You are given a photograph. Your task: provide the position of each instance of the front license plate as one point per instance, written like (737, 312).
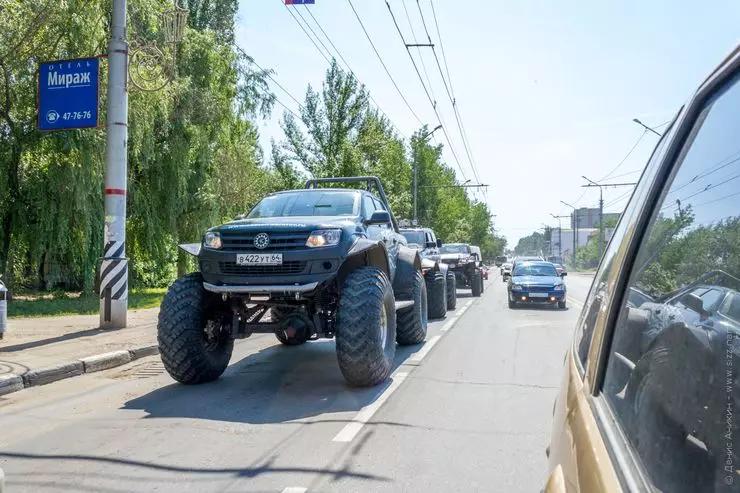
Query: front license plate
(538, 295)
(259, 259)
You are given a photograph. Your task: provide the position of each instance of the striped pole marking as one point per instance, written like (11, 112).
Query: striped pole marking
(113, 276)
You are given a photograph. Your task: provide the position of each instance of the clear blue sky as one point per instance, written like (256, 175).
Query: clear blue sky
(546, 90)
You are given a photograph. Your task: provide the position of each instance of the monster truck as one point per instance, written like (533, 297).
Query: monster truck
(324, 262)
(464, 261)
(441, 282)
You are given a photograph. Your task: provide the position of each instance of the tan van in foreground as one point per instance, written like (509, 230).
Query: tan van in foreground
(650, 397)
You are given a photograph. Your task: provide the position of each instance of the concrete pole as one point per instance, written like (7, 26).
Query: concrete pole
(114, 265)
(415, 187)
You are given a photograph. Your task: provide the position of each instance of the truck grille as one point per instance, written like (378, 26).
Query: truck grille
(290, 267)
(240, 240)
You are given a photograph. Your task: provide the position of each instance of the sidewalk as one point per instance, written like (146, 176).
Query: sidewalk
(67, 343)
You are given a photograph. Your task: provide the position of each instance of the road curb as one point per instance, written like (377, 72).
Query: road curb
(10, 383)
(101, 362)
(104, 361)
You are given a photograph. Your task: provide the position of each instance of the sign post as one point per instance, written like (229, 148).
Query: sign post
(114, 265)
(68, 94)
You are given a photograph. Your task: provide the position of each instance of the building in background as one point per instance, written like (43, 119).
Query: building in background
(588, 217)
(566, 236)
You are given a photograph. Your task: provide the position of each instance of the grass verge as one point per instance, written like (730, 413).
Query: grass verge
(62, 304)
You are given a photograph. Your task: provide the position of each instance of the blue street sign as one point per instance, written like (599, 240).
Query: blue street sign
(68, 94)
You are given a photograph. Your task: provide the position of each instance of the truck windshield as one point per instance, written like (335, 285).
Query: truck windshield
(415, 237)
(306, 203)
(454, 249)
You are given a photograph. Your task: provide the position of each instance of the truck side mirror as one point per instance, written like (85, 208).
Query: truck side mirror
(439, 243)
(379, 217)
(693, 302)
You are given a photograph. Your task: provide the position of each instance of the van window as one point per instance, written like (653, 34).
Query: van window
(610, 264)
(672, 369)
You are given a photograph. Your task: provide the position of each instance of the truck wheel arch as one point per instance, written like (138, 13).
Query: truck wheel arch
(364, 252)
(407, 264)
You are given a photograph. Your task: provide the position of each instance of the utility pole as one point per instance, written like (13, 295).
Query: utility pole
(575, 232)
(560, 234)
(114, 265)
(601, 186)
(646, 127)
(415, 222)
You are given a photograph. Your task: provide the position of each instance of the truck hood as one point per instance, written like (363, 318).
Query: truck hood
(454, 256)
(297, 223)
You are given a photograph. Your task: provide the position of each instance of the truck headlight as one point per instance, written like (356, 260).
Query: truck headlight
(212, 240)
(560, 287)
(516, 287)
(323, 238)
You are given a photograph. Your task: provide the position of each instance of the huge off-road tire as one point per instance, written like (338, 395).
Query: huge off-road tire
(451, 291)
(366, 327)
(476, 283)
(412, 321)
(189, 354)
(436, 294)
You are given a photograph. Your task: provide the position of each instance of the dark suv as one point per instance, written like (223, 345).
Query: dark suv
(441, 281)
(324, 262)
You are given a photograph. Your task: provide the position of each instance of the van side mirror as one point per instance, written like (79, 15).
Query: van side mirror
(439, 243)
(563, 274)
(379, 217)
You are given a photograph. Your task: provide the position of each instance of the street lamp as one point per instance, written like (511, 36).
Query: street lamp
(560, 235)
(646, 127)
(416, 174)
(575, 231)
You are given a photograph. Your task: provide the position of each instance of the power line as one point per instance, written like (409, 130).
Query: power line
(291, 111)
(717, 200)
(341, 57)
(267, 72)
(450, 93)
(426, 91)
(290, 11)
(383, 63)
(311, 29)
(421, 58)
(442, 47)
(629, 153)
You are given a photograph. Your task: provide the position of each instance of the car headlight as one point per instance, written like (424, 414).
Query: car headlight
(212, 240)
(452, 266)
(516, 287)
(323, 238)
(560, 287)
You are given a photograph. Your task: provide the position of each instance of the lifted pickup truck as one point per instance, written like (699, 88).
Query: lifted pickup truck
(464, 261)
(441, 281)
(325, 262)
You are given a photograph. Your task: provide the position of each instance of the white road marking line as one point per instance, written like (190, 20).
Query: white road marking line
(364, 415)
(451, 322)
(295, 489)
(419, 355)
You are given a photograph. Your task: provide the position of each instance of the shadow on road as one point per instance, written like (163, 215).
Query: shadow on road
(274, 385)
(127, 471)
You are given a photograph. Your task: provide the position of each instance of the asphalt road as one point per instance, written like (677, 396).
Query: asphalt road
(470, 410)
